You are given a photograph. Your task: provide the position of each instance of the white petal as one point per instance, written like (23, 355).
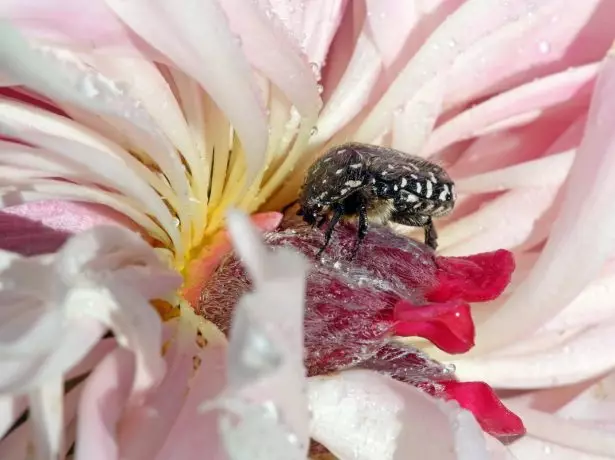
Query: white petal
(364, 415)
(46, 414)
(266, 346)
(579, 358)
(198, 33)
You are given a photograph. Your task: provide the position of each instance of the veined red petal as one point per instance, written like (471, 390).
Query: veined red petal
(475, 278)
(448, 325)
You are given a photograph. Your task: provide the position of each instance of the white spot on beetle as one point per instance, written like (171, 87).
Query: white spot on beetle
(433, 178)
(341, 150)
(395, 187)
(384, 173)
(344, 191)
(322, 195)
(390, 167)
(444, 193)
(404, 182)
(412, 198)
(414, 176)
(324, 181)
(339, 171)
(353, 183)
(418, 205)
(373, 180)
(429, 189)
(355, 165)
(418, 187)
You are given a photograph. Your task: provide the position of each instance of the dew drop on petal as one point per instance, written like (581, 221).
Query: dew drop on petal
(544, 47)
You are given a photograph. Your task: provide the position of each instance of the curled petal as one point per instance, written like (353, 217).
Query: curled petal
(448, 326)
(480, 399)
(475, 278)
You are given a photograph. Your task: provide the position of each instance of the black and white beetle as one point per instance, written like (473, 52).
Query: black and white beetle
(377, 184)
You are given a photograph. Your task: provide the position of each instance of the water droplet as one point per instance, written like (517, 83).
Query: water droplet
(547, 449)
(315, 69)
(544, 46)
(314, 131)
(176, 222)
(320, 89)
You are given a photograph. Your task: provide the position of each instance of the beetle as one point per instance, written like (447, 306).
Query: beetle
(375, 184)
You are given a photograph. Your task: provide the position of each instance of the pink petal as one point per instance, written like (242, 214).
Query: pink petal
(388, 24)
(561, 131)
(269, 49)
(15, 446)
(101, 407)
(505, 222)
(547, 171)
(537, 95)
(51, 20)
(11, 407)
(566, 265)
(145, 427)
(545, 37)
(452, 41)
(365, 415)
(530, 447)
(448, 326)
(42, 227)
(195, 433)
(312, 24)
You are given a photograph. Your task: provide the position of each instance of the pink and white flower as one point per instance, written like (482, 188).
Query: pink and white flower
(128, 129)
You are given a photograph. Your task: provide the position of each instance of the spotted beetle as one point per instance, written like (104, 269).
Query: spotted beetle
(376, 184)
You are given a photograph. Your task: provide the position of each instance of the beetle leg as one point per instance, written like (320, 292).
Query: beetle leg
(431, 236)
(363, 227)
(338, 212)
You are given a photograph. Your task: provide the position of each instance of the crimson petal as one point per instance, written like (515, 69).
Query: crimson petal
(475, 278)
(480, 399)
(448, 326)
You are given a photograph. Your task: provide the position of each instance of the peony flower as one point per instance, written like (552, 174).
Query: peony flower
(158, 117)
